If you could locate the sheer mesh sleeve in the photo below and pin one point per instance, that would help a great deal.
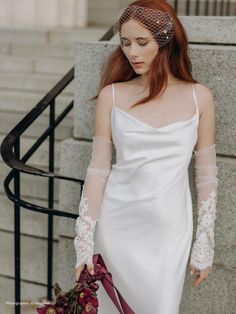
(206, 181)
(91, 198)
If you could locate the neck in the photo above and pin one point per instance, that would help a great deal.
(143, 78)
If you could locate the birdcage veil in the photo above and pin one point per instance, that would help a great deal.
(158, 22)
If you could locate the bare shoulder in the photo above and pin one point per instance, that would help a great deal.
(205, 99)
(102, 117)
(104, 100)
(207, 123)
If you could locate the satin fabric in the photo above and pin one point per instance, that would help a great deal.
(145, 228)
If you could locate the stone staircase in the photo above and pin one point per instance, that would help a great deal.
(31, 62)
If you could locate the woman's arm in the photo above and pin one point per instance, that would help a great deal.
(95, 181)
(206, 181)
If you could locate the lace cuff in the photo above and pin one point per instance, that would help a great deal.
(84, 227)
(206, 170)
(203, 247)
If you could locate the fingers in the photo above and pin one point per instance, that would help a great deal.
(200, 274)
(200, 277)
(90, 268)
(79, 270)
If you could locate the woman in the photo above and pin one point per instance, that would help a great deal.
(138, 212)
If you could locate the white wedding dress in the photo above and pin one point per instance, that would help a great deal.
(145, 225)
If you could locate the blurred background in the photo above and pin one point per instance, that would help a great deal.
(40, 43)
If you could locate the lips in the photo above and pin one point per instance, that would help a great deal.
(137, 64)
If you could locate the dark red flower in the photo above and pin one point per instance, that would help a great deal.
(88, 308)
(47, 309)
(84, 296)
(94, 301)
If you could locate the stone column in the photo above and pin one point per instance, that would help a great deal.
(23, 12)
(66, 13)
(46, 13)
(5, 12)
(73, 13)
(81, 13)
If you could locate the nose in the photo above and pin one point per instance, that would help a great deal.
(133, 50)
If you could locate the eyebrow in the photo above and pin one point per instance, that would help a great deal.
(136, 37)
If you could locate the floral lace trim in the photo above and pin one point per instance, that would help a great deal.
(203, 247)
(84, 227)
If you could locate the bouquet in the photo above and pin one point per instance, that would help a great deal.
(82, 299)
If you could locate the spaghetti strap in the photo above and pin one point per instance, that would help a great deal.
(113, 94)
(195, 98)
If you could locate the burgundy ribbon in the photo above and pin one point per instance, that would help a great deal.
(102, 274)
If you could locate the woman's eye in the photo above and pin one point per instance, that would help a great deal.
(126, 44)
(142, 44)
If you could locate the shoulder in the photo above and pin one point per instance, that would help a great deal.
(105, 93)
(207, 121)
(205, 99)
(102, 117)
(104, 100)
(105, 96)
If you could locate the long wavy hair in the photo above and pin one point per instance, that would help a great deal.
(172, 56)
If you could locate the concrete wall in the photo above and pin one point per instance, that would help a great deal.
(35, 13)
(213, 57)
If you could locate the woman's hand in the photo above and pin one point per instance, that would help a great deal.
(79, 270)
(201, 274)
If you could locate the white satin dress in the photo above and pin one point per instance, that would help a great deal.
(145, 226)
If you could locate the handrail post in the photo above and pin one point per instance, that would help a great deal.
(17, 242)
(197, 5)
(215, 7)
(50, 200)
(176, 6)
(187, 8)
(206, 7)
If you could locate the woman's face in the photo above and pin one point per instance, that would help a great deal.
(138, 45)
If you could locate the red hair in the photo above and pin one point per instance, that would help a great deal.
(172, 56)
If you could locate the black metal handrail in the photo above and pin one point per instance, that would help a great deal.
(10, 152)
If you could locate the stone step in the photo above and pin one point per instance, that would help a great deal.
(32, 82)
(31, 295)
(46, 50)
(63, 36)
(43, 36)
(9, 119)
(32, 223)
(23, 102)
(32, 249)
(35, 65)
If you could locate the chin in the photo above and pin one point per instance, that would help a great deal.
(140, 71)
